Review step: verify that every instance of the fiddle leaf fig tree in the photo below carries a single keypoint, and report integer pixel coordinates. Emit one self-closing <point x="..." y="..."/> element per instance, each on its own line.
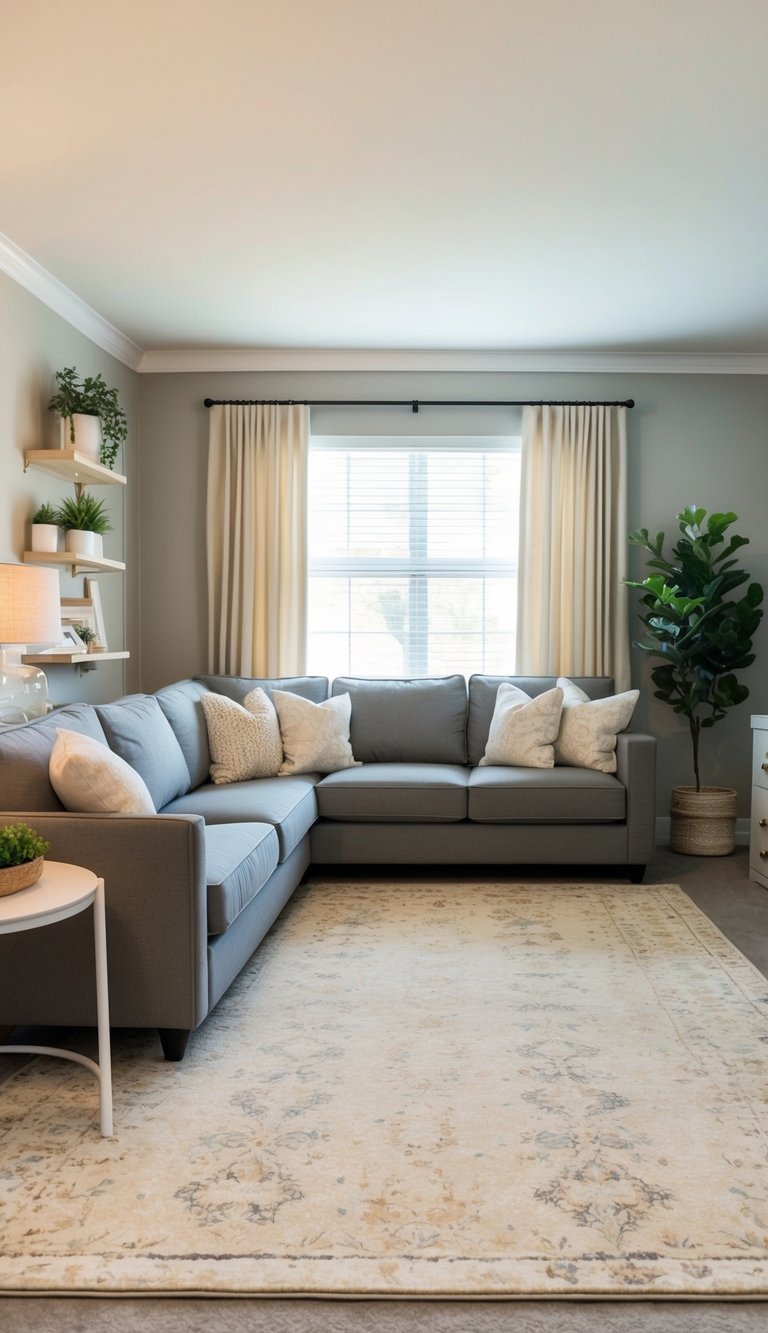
<point x="694" y="622"/>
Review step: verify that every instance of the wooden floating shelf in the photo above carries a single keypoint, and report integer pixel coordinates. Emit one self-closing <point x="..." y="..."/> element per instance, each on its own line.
<point x="72" y="558"/>
<point x="65" y="658"/>
<point x="69" y="465"/>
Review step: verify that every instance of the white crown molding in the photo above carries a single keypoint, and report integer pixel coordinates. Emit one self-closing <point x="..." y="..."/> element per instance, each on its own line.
<point x="223" y="360"/>
<point x="29" y="274"/>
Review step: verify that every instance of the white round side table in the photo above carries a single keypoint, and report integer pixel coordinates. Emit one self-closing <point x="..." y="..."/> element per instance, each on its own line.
<point x="64" y="890"/>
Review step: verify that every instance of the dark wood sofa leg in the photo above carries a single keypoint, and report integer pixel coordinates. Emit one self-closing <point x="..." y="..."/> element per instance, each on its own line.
<point x="636" y="874"/>
<point x="174" y="1042"/>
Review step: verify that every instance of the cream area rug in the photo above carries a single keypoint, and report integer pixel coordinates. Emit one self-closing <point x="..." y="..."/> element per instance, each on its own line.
<point x="492" y="1090"/>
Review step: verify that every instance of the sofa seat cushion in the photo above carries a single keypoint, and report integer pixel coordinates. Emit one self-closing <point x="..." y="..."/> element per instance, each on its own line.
<point x="544" y="796"/>
<point x="287" y="803"/>
<point x="388" y="793"/>
<point x="239" y="859"/>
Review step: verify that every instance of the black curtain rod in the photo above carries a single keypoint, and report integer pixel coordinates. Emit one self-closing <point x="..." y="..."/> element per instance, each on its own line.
<point x="413" y="403"/>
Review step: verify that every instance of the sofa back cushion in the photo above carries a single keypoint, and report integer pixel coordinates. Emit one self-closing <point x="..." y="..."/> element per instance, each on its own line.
<point x="25" y="753"/>
<point x="182" y="705"/>
<point x="407" y="721"/>
<point x="236" y="687"/>
<point x="137" y="729"/>
<point x="482" y="701"/>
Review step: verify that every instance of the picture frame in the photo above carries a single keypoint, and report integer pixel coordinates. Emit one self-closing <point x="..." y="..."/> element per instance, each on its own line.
<point x="92" y="591"/>
<point x="71" y="639"/>
<point x="82" y="611"/>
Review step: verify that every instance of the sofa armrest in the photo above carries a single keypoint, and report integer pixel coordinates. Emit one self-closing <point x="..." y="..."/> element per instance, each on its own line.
<point x="156" y="908"/>
<point x="636" y="768"/>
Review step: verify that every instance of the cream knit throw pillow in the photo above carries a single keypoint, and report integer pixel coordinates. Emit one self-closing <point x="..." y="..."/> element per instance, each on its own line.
<point x="244" y="739"/>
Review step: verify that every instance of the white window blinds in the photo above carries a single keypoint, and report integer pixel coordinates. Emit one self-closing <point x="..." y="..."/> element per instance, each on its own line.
<point x="412" y="555"/>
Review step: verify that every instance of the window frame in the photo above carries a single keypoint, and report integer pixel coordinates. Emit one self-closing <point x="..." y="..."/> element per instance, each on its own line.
<point x="415" y="567"/>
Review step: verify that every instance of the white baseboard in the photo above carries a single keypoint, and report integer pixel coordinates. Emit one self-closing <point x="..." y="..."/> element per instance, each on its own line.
<point x="662" y="831"/>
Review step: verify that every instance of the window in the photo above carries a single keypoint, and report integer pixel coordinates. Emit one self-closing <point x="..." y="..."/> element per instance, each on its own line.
<point x="412" y="555"/>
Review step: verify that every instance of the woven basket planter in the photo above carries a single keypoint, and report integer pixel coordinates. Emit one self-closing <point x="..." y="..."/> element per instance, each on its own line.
<point x="13" y="878"/>
<point x="703" y="823"/>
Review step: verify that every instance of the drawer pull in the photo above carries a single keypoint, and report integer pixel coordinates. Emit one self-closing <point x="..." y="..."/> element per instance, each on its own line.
<point x="763" y="823"/>
<point x="764" y="767"/>
<point x="764" y="855"/>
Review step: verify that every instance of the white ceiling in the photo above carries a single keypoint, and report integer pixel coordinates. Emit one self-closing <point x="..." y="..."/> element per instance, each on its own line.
<point x="516" y="175"/>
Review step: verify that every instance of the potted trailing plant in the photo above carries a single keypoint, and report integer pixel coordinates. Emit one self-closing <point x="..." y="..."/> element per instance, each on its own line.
<point x="702" y="630"/>
<point x="92" y="419"/>
<point x="21" y="857"/>
<point x="83" y="519"/>
<point x="45" y="529"/>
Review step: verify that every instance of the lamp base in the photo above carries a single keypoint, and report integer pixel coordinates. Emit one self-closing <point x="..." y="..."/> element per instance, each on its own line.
<point x="23" y="692"/>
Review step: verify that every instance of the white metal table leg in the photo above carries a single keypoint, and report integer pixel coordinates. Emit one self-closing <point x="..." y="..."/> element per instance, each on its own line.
<point x="102" y="1009"/>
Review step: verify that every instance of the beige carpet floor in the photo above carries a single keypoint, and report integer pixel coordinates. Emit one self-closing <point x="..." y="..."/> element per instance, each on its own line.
<point x="422" y="1089"/>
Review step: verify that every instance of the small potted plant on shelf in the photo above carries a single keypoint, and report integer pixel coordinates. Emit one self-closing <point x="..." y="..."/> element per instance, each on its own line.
<point x="92" y="419"/>
<point x="45" y="529"/>
<point x="87" y="635"/>
<point x="84" y="519"/>
<point x="703" y="635"/>
<point x="21" y="857"/>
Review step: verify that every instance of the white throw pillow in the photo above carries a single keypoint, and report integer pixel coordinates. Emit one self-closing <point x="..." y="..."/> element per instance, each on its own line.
<point x="588" y="727"/>
<point x="523" y="730"/>
<point x="89" y="778"/>
<point x="315" y="736"/>
<point x="244" y="739"/>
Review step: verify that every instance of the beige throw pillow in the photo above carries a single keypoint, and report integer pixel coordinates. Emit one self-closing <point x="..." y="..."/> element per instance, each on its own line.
<point x="315" y="736"/>
<point x="89" y="778"/>
<point x="523" y="730"/>
<point x="244" y="739"/>
<point x="588" y="727"/>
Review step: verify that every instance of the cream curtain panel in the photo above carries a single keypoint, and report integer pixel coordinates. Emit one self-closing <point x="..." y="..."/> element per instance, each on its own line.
<point x="256" y="523"/>
<point x="572" y="614"/>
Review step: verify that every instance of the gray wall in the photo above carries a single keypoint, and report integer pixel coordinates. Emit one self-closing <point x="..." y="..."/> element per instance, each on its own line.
<point x="693" y="438"/>
<point x="34" y="343"/>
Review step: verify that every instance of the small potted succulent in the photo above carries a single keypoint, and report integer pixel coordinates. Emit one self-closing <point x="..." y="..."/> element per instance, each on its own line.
<point x="92" y="419"/>
<point x="45" y="529"/>
<point x="84" y="519"/>
<point x="21" y="857"/>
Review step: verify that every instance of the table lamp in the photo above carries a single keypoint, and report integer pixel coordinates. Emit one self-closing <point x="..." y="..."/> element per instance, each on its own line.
<point x="30" y="614"/>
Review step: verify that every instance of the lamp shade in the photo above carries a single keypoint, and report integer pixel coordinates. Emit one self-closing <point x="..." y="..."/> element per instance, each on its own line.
<point x="30" y="605"/>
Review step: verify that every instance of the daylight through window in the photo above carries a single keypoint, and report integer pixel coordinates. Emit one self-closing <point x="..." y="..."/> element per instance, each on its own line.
<point x="412" y="555"/>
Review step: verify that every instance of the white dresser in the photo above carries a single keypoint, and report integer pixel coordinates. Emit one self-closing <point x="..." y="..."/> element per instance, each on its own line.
<point x="758" y="838"/>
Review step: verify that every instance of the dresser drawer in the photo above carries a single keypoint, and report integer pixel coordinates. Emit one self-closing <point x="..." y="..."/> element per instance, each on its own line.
<point x="758" y="839"/>
<point x="760" y="758"/>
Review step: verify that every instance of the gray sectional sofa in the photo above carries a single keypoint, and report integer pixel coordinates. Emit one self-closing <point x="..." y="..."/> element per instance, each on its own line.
<point x="193" y="889"/>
